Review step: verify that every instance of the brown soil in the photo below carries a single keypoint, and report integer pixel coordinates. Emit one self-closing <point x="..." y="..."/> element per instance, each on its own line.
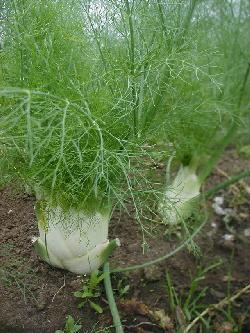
<point x="36" y="298"/>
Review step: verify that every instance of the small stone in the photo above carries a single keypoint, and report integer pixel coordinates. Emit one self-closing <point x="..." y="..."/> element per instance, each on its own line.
<point x="211" y="233"/>
<point x="219" y="200"/>
<point x="76" y="284"/>
<point x="218" y="209"/>
<point x="153" y="273"/>
<point x="41" y="302"/>
<point x="244" y="216"/>
<point x="214" y="225"/>
<point x="228" y="237"/>
<point x="41" y="306"/>
<point x="227" y="241"/>
<point x="247" y="232"/>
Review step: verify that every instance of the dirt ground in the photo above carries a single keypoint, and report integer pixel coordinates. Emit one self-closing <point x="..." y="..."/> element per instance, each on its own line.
<point x="35" y="298"/>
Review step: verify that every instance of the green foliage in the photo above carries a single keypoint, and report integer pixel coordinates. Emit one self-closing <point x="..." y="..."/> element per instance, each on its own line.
<point x="16" y="272"/>
<point x="245" y="151"/>
<point x="86" y="85"/>
<point x="67" y="125"/>
<point x="70" y="326"/>
<point x="91" y="290"/>
<point x="122" y="287"/>
<point x="190" y="304"/>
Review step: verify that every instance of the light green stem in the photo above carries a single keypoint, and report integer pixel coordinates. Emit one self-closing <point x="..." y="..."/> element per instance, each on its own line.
<point x="205" y="172"/>
<point x="132" y="65"/>
<point x="227" y="183"/>
<point x="153" y="108"/>
<point x="207" y="194"/>
<point x="160" y="259"/>
<point x="111" y="299"/>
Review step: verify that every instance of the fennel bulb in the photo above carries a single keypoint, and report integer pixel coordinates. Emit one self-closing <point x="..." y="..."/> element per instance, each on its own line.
<point x="179" y="198"/>
<point x="73" y="240"/>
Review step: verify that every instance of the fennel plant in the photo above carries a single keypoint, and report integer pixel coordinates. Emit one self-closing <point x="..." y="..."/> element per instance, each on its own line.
<point x="207" y="107"/>
<point x="86" y="85"/>
<point x="77" y="78"/>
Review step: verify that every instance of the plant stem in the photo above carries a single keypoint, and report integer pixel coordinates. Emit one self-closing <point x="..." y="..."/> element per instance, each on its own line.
<point x="132" y="66"/>
<point x="166" y="256"/>
<point x="152" y="109"/>
<point x="98" y="45"/>
<point x="207" y="194"/>
<point x="187" y="22"/>
<point x="227" y="183"/>
<point x="205" y="172"/>
<point x="111" y="299"/>
<point x="227" y="138"/>
<point x="161" y="14"/>
<point x="217" y="306"/>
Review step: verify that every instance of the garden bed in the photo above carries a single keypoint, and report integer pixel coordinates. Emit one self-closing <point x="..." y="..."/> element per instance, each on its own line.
<point x="36" y="298"/>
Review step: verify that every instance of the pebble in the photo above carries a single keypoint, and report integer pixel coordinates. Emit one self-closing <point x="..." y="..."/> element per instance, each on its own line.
<point x="247" y="232"/>
<point x="228" y="237"/>
<point x="76" y="284"/>
<point x="214" y="225"/>
<point x="227" y="241"/>
<point x="219" y="200"/>
<point x="41" y="302"/>
<point x="153" y="273"/>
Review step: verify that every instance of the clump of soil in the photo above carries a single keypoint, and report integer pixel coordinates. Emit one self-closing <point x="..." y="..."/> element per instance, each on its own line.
<point x="36" y="298"/>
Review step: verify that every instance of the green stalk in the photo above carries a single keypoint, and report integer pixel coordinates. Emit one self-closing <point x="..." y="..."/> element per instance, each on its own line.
<point x="98" y="46"/>
<point x="161" y="14"/>
<point x="21" y="46"/>
<point x="207" y="194"/>
<point x="132" y="67"/>
<point x="152" y="110"/>
<point x="205" y="172"/>
<point x="227" y="183"/>
<point x="187" y="21"/>
<point x="160" y="259"/>
<point x="111" y="299"/>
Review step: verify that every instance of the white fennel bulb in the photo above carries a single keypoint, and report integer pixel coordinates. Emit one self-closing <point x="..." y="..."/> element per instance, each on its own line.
<point x="180" y="197"/>
<point x="73" y="240"/>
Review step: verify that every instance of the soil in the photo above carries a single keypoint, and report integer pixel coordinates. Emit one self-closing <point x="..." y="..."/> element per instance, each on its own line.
<point x="36" y="298"/>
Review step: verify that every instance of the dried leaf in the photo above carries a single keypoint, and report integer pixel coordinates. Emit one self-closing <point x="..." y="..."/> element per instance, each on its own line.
<point x="225" y="327"/>
<point x="141" y="330"/>
<point x="181" y="319"/>
<point x="162" y="318"/>
<point x="134" y="306"/>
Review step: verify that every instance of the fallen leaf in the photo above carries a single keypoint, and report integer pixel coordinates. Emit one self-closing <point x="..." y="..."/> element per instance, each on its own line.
<point x="217" y="293"/>
<point x="181" y="319"/>
<point x="134" y="306"/>
<point x="228" y="278"/>
<point x="163" y="319"/>
<point x="225" y="327"/>
<point x="141" y="330"/>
